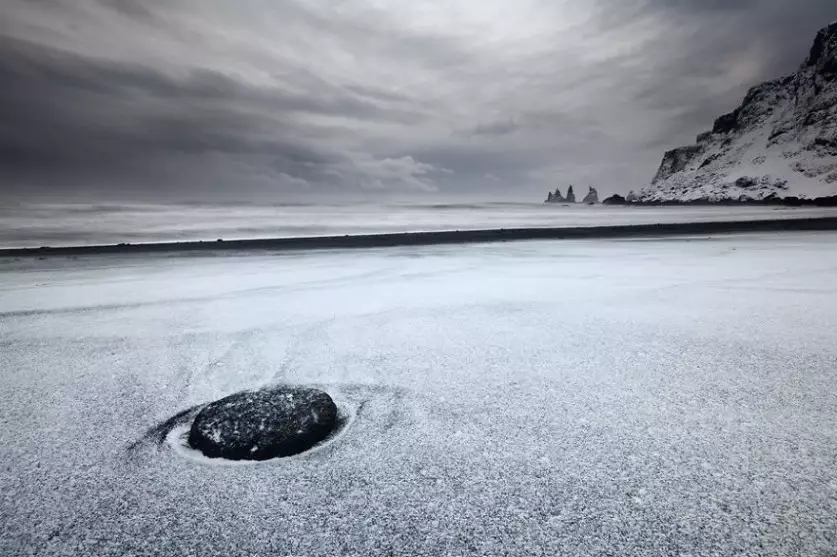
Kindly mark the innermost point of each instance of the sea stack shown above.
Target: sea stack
(570, 195)
(555, 197)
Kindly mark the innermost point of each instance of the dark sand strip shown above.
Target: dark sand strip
(445, 237)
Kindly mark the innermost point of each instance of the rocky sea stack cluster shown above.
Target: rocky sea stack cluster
(591, 198)
(780, 143)
(264, 424)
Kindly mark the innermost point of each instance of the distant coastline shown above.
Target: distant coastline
(829, 201)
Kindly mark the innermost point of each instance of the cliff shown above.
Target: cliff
(780, 142)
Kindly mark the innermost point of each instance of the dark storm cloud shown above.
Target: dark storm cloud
(67, 113)
(737, 43)
(301, 98)
(80, 118)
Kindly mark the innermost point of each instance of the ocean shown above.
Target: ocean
(44, 224)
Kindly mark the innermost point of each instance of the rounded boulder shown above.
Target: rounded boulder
(264, 424)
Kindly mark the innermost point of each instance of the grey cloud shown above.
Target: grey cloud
(69, 116)
(134, 9)
(501, 127)
(313, 97)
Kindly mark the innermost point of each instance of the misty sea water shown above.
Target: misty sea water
(45, 224)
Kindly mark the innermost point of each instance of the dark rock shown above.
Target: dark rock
(746, 182)
(709, 160)
(703, 137)
(778, 132)
(259, 425)
(823, 50)
(828, 201)
(555, 197)
(592, 196)
(676, 160)
(570, 195)
(824, 146)
(614, 199)
(726, 123)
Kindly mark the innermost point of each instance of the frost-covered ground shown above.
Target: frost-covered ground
(658, 397)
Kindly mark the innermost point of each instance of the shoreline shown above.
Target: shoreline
(791, 201)
(397, 239)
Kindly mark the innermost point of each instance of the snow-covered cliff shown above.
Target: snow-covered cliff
(781, 141)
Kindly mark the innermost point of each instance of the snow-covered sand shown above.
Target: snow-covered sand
(654, 397)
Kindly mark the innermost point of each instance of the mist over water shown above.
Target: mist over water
(43, 224)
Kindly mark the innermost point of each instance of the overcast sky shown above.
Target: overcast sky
(369, 99)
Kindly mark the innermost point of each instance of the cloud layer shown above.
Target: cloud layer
(185, 99)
